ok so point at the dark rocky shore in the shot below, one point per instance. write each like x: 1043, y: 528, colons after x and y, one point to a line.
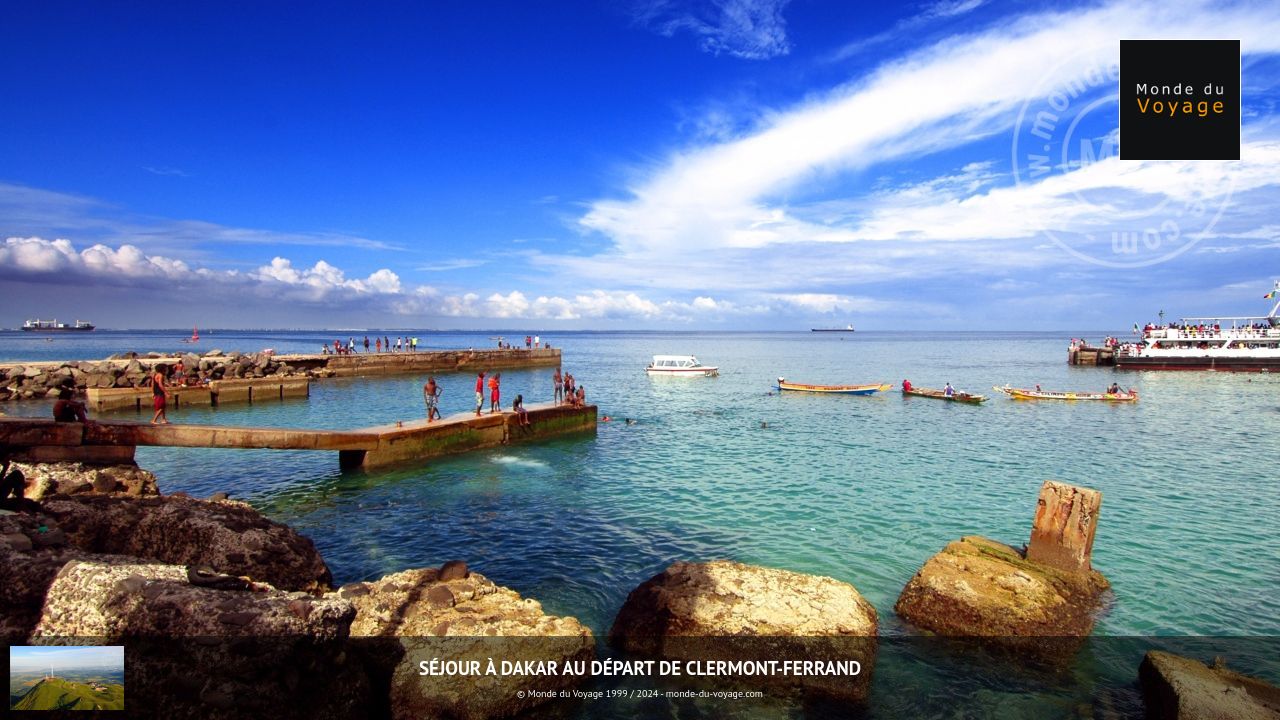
x: 225, y: 613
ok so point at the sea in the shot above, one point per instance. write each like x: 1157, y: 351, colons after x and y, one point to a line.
x: 861, y: 489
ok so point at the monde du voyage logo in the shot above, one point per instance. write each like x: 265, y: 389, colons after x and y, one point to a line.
x: 1178, y: 103
x: 1180, y: 99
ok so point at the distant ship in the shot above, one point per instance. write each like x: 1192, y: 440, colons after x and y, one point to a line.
x: 846, y: 328
x: 45, y: 326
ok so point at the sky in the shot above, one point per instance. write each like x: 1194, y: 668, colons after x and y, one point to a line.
x: 35, y: 657
x: 645, y: 164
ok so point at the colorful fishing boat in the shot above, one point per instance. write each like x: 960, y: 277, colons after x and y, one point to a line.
x: 837, y: 389
x: 1025, y: 394
x: 956, y: 396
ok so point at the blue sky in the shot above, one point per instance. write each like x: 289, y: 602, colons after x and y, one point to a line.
x: 720, y: 164
x: 36, y: 657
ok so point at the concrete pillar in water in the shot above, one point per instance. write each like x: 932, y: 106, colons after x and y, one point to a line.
x: 1066, y: 519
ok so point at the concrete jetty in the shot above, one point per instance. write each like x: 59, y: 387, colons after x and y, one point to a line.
x: 40, y: 440
x: 218, y: 392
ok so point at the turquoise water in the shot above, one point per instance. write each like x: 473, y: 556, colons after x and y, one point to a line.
x: 863, y: 489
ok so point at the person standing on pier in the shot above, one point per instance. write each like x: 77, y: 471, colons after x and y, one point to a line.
x: 494, y: 394
x: 536, y: 341
x: 366, y: 344
x: 159, y: 395
x: 559, y: 389
x: 431, y: 393
x: 479, y: 392
x: 377, y: 345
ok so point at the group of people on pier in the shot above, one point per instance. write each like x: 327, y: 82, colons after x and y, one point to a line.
x: 379, y: 345
x: 566, y: 392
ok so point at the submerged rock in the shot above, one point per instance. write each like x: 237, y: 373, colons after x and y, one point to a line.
x: 1179, y: 688
x: 463, y: 619
x: 731, y: 611
x: 230, y: 537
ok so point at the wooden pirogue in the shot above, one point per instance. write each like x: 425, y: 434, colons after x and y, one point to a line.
x: 956, y: 396
x: 1025, y: 394
x: 836, y: 389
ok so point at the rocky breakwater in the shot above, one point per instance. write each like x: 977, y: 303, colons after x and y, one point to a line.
x: 452, y: 622
x: 725, y: 616
x: 131, y: 370
x: 1040, y: 601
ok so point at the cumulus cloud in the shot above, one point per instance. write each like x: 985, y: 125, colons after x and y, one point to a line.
x: 34, y: 259
x: 749, y: 29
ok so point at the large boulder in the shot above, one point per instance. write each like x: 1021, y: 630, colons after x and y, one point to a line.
x: 453, y: 615
x: 977, y: 587
x: 725, y: 610
x: 45, y: 479
x: 1179, y: 688
x: 32, y: 551
x: 199, y: 651
x: 230, y: 537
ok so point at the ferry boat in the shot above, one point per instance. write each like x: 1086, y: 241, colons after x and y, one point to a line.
x: 846, y: 328
x: 45, y: 326
x: 1247, y: 344
x: 680, y: 366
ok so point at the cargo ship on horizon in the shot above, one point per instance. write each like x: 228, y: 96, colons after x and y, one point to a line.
x: 44, y: 326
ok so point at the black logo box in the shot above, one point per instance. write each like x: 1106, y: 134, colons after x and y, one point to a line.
x: 1160, y: 77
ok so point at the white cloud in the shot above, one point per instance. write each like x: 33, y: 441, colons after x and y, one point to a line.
x: 45, y: 212
x: 723, y: 215
x: 35, y: 259
x: 749, y: 29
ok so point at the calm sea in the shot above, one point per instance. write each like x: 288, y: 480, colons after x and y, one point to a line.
x: 863, y: 489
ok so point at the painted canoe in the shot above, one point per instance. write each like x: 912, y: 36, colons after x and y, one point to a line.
x: 960, y: 397
x: 836, y: 389
x: 1024, y: 394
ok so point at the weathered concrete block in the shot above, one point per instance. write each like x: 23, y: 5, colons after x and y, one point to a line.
x: 1065, y: 523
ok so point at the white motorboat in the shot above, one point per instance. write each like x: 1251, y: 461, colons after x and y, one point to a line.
x: 680, y: 366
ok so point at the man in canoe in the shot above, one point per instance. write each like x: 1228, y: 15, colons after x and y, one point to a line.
x: 906, y: 386
x: 948, y: 391
x: 1114, y: 389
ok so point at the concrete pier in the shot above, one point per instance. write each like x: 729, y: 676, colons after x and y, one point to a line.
x: 39, y: 440
x: 218, y: 392
x: 1088, y: 355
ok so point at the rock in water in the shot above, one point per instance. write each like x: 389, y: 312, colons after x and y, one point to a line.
x: 726, y: 610
x: 424, y: 618
x: 979, y: 588
x: 1179, y: 688
x: 228, y: 536
x: 1039, y: 602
